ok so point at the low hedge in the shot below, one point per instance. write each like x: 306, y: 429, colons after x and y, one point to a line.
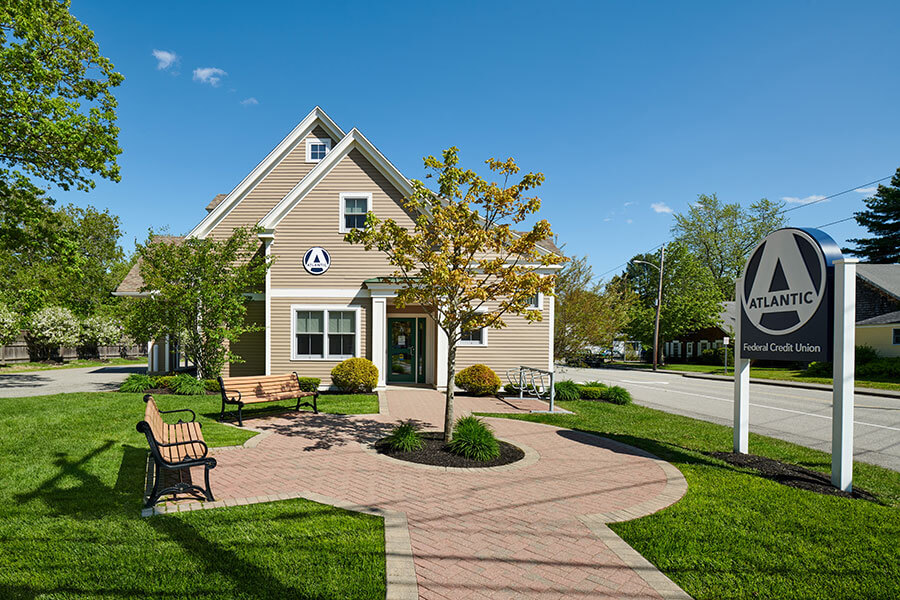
x: 479, y: 380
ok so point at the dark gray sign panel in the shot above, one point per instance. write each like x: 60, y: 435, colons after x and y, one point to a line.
x: 787, y: 297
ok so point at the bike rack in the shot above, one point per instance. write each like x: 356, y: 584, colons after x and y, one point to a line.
x: 541, y: 391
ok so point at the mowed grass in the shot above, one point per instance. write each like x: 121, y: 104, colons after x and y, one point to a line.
x: 738, y: 535
x: 72, y: 470
x: 777, y: 373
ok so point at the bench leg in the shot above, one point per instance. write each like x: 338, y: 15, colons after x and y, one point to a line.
x: 316, y: 403
x: 208, y: 490
x: 222, y: 414
x: 154, y: 494
x: 240, y: 416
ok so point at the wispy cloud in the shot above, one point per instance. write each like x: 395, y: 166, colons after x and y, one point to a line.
x: 807, y: 200
x: 629, y: 221
x: 607, y: 219
x: 628, y: 204
x: 661, y: 207
x: 251, y: 101
x: 211, y: 75
x: 165, y: 59
x: 868, y: 190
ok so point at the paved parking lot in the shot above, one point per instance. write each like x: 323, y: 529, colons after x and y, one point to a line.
x: 60, y: 381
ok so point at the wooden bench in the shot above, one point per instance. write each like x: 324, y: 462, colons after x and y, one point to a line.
x: 263, y: 388
x: 175, y: 446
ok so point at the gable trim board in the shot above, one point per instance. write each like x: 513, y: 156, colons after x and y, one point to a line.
x: 316, y: 117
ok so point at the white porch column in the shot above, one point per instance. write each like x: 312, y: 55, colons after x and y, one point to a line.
x: 440, y: 373
x: 379, y: 337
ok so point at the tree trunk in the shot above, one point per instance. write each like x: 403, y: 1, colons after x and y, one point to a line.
x: 451, y: 383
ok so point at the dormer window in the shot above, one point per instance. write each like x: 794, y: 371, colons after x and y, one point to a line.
x: 316, y: 149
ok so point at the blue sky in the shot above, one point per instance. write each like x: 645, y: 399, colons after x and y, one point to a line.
x: 630, y: 109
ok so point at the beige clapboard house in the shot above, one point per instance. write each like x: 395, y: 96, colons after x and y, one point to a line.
x: 323, y: 301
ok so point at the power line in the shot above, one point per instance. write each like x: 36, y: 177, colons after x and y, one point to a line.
x: 781, y: 212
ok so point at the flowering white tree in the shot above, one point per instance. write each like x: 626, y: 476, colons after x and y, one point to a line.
x: 50, y: 328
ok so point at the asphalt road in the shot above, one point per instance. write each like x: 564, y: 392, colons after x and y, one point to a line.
x: 793, y: 414
x: 60, y: 381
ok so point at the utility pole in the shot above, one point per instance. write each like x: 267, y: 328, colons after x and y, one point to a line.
x: 662, y: 263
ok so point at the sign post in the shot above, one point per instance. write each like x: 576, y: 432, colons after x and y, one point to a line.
x: 797, y: 302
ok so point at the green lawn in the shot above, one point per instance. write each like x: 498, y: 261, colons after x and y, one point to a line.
x: 26, y: 367
x: 778, y: 373
x: 71, y: 479
x: 738, y: 535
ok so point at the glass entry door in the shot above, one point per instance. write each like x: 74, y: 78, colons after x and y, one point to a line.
x: 401, y: 350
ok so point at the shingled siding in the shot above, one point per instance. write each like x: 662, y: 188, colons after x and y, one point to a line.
x: 872, y: 302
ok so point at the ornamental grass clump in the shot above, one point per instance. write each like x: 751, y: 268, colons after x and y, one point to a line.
x: 404, y: 437
x: 473, y: 439
x: 137, y: 383
x: 479, y: 380
x: 617, y: 395
x: 185, y: 385
x: 355, y: 375
x: 567, y: 390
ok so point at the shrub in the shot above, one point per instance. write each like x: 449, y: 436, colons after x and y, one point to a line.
x: 617, y: 395
x: 136, y: 382
x: 566, y: 390
x: 818, y: 369
x: 9, y: 325
x: 211, y: 385
x: 716, y: 357
x: 307, y: 384
x: 186, y: 385
x: 479, y: 380
x: 589, y: 392
x: 882, y: 368
x: 99, y: 331
x: 404, y: 438
x: 865, y: 355
x: 164, y: 381
x: 355, y: 375
x: 473, y: 439
x: 50, y: 328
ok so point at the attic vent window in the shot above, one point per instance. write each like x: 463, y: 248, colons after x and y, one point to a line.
x: 316, y: 149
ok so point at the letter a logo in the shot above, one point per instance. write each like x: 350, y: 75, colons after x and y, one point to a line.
x: 316, y: 260
x: 784, y: 282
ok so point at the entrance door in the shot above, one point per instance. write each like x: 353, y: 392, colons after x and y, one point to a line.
x: 401, y: 350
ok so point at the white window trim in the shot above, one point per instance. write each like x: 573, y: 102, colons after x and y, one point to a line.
x: 484, y: 337
x: 324, y: 308
x: 344, y: 196
x: 540, y: 302
x: 314, y: 140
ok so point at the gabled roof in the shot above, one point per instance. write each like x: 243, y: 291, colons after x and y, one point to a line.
x: 316, y: 117
x: 354, y: 140
x: 890, y: 318
x: 215, y: 202
x: 883, y: 277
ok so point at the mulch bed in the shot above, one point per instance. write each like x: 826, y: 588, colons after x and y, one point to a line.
x: 791, y: 475
x: 435, y: 453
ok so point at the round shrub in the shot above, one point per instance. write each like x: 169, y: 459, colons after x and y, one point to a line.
x: 50, y: 328
x: 355, y: 375
x: 473, y: 439
x: 185, y: 385
x: 479, y: 380
x: 136, y: 382
x: 307, y: 384
x: 164, y: 381
x: 617, y: 395
x: 99, y: 331
x: 566, y: 390
x: 404, y: 438
x: 589, y: 392
x: 9, y: 325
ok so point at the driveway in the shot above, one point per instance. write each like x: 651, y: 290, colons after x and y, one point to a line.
x: 801, y: 416
x: 61, y: 381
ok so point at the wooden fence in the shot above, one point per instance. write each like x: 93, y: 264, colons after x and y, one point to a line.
x: 18, y: 351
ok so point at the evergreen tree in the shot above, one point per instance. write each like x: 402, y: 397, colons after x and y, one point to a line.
x: 882, y: 219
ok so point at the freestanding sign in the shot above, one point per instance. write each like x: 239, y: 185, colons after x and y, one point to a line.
x: 797, y: 303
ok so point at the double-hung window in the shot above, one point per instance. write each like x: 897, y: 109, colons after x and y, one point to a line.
x: 535, y: 301
x: 316, y: 149
x: 473, y: 337
x: 896, y: 337
x: 353, y: 211
x: 325, y: 333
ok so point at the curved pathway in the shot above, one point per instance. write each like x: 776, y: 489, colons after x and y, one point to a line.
x: 531, y: 530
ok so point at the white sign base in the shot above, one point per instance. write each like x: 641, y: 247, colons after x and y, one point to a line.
x: 844, y: 373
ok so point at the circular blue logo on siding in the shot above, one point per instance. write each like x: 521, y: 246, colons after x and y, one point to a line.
x: 316, y: 260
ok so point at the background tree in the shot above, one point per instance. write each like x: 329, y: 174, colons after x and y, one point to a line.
x: 587, y: 313
x: 691, y: 299
x: 722, y: 235
x: 197, y: 297
x: 57, y: 111
x: 462, y: 262
x: 882, y: 220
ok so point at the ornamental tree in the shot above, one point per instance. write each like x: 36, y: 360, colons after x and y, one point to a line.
x: 57, y: 111
x: 197, y: 294
x: 462, y: 261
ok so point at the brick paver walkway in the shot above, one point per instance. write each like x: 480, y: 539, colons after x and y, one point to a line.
x: 536, y: 531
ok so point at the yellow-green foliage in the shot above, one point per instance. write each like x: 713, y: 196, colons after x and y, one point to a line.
x: 479, y: 380
x: 355, y: 375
